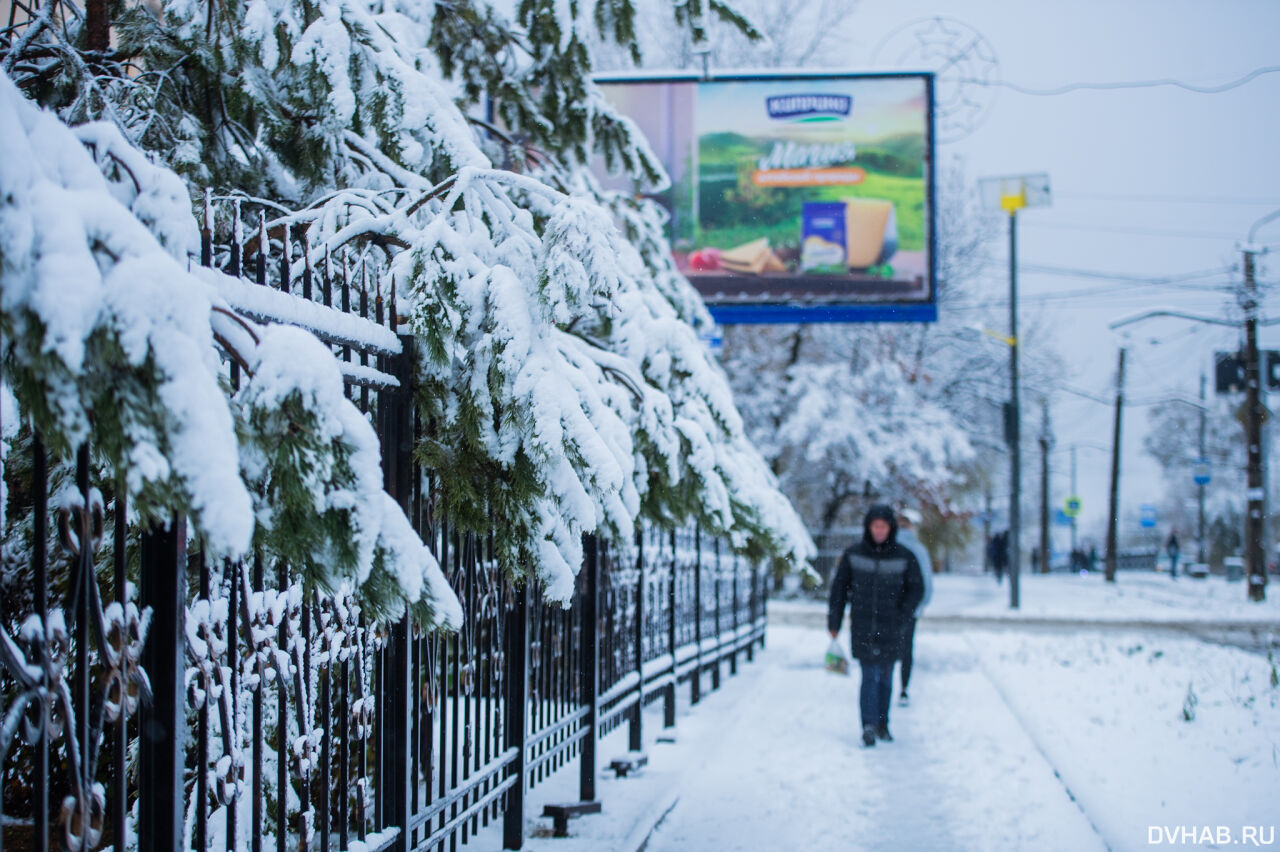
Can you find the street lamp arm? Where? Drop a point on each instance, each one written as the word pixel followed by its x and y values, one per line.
pixel 1146 315
pixel 1258 224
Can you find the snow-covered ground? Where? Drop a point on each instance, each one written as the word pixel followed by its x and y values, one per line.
pixel 1015 738
pixel 1147 732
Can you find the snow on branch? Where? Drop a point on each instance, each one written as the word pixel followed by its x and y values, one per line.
pixel 112 340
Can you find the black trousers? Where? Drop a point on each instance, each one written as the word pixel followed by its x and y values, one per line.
pixel 908 641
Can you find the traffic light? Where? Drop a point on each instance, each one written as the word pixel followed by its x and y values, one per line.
pixel 1228 372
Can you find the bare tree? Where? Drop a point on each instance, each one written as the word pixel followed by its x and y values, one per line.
pixel 798 33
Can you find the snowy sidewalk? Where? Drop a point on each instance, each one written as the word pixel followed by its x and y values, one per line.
pixel 1016 738
pixel 787 769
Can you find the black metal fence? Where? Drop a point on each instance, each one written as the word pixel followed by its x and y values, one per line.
pixel 158 699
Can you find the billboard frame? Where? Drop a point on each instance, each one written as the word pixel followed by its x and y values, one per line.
pixel 813 310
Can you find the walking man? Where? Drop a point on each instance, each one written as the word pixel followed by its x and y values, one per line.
pixel 1171 547
pixel 880 582
pixel 908 518
pixel 1000 554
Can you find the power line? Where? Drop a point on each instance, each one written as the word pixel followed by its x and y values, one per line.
pixel 1124 300
pixel 1122 229
pixel 1155 280
pixel 1125 285
pixel 1131 84
pixel 1170 199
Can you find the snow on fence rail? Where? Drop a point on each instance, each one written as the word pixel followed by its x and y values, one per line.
pixel 156 698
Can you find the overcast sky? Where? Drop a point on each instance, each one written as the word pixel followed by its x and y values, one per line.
pixel 1147 182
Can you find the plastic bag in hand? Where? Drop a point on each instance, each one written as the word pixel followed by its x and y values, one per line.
pixel 837 658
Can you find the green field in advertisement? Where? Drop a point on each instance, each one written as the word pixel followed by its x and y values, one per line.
pixel 803 187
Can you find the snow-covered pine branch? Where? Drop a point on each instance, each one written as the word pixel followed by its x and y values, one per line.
pixel 99 334
pixel 112 338
pixel 359 117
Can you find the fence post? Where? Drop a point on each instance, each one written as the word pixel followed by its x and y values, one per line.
pixel 764 607
pixel 669 699
pixel 733 658
pixel 163 556
pixel 751 615
pixel 695 689
pixel 589 671
pixel 517 729
pixel 715 672
pixel 635 740
pixel 395 701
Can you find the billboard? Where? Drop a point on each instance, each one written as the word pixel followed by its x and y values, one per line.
pixel 795 198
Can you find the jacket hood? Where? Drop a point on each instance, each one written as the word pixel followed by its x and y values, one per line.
pixel 883 513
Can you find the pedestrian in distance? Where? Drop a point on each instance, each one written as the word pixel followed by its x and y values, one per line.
pixel 880 583
pixel 908 518
pixel 1171 547
pixel 1000 554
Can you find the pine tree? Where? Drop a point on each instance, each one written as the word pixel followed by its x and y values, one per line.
pixel 562 379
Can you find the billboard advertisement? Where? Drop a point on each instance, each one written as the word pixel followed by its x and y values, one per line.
pixel 795 198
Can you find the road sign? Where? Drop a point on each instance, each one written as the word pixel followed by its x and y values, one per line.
pixel 1201 469
pixel 1014 192
pixel 1242 413
pixel 1147 515
pixel 1072 507
pixel 1061 518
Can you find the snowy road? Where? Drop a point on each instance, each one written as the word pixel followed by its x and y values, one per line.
pixel 787 769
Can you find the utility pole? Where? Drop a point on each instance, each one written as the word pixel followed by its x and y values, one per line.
pixel 1045 441
pixel 1255 553
pixel 1073 493
pixel 1201 556
pixel 1114 519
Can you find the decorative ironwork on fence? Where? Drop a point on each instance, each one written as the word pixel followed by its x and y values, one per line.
pixel 155 698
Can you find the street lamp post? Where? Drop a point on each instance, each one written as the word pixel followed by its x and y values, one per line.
pixel 1015 417
pixel 1113 519
pixel 1073 494
pixel 1009 195
pixel 1201 479
pixel 1046 441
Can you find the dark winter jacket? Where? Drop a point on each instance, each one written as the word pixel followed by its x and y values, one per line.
pixel 882 585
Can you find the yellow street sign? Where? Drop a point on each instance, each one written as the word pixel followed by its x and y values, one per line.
pixel 1003 338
